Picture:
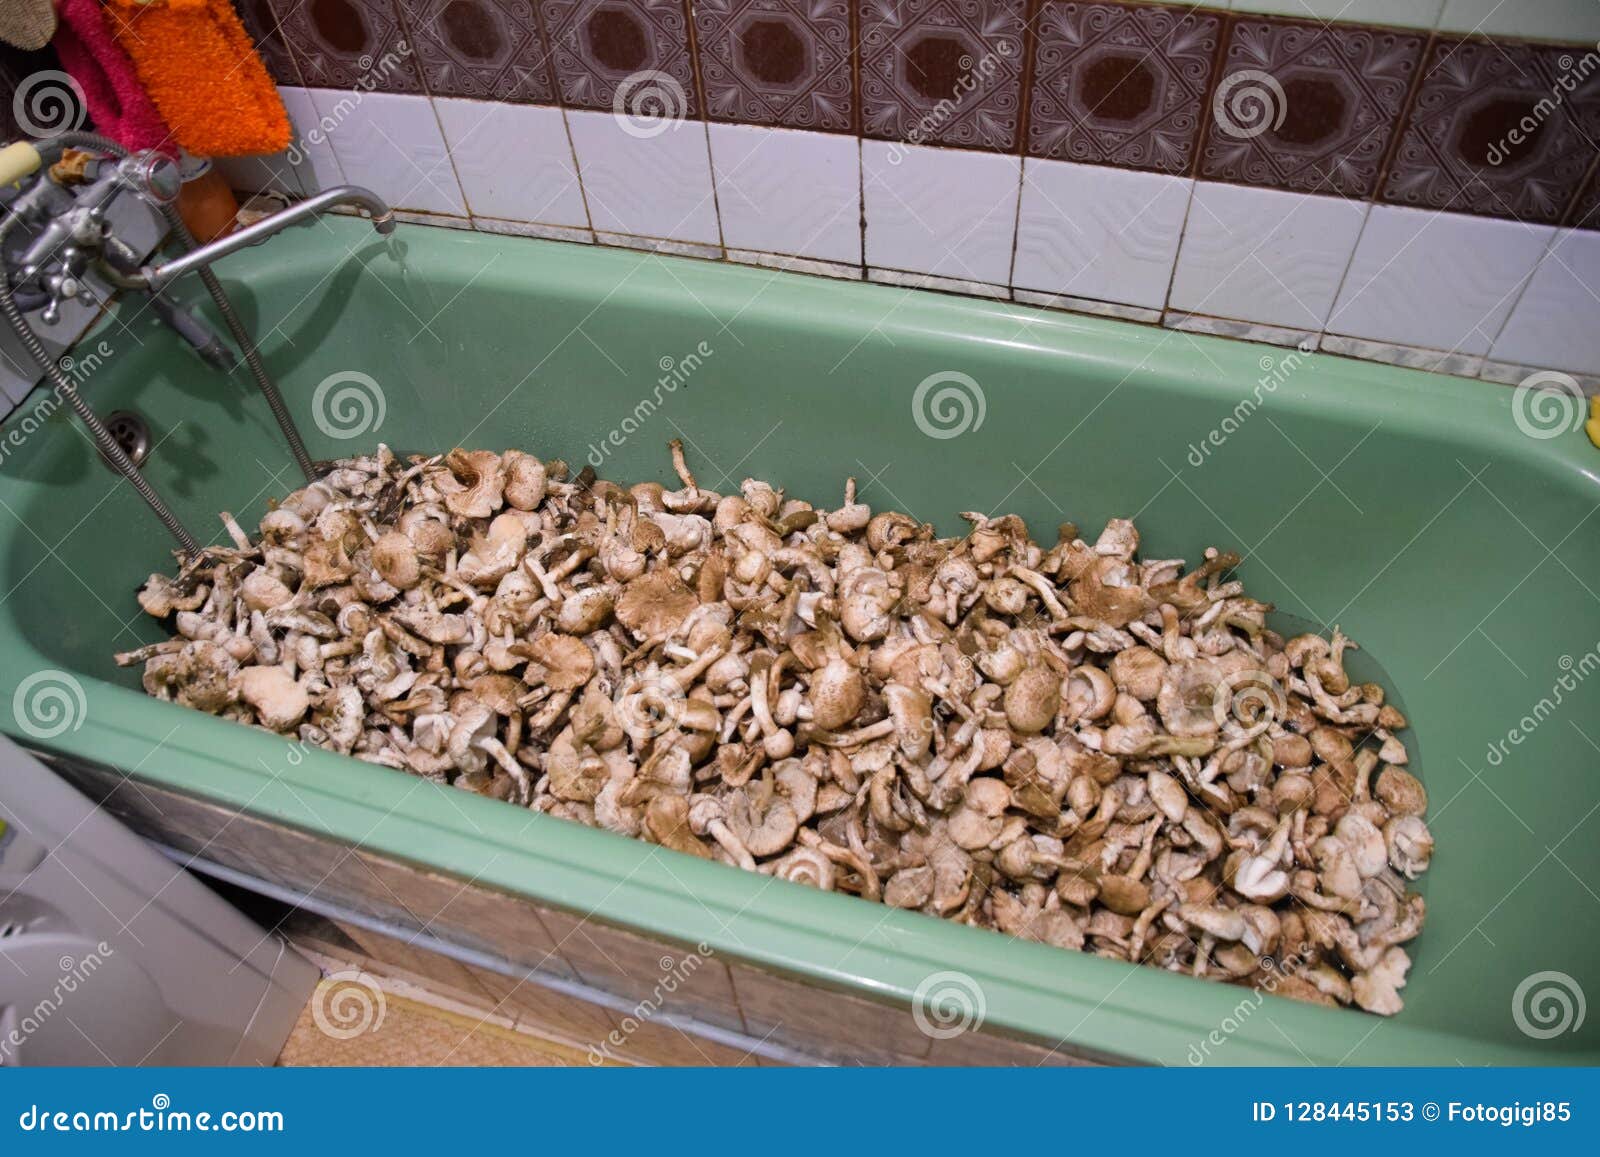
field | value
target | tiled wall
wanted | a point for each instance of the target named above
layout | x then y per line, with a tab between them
1411	180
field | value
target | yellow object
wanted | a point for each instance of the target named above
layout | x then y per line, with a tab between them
18	161
1592	428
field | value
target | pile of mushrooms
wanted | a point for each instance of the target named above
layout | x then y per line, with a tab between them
1070	744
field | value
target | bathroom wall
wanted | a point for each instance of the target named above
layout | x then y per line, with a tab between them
1408	180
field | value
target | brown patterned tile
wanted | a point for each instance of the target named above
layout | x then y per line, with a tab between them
1119	85
349	44
776	62
486	49
942	71
597	45
1457	150
1323	115
261	22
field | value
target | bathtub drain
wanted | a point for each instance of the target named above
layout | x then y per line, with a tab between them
132	434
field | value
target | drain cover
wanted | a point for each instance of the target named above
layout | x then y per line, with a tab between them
131	433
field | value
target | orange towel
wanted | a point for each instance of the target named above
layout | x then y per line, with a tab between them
201	70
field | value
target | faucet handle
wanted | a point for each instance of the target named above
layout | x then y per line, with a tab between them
152	174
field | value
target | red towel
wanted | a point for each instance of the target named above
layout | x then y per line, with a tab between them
118	103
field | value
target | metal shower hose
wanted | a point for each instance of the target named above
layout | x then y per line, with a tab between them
64	387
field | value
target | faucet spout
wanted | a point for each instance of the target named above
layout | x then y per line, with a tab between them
157	277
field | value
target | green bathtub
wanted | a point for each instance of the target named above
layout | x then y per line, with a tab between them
1410	509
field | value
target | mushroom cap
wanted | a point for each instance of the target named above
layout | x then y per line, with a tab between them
278	700
394	557
666	821
1099	593
1187	701
262	590
1033	698
838	692
565	663
473	724
655	604
585	610
798	786
1124	895
909	888
805	866
475	484
498	692
1400	791
1138	671
771	833
526	479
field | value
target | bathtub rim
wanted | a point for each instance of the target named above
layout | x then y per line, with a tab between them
1105	1007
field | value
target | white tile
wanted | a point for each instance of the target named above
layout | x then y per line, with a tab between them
514	161
1262	255
1554	322
390	142
783	191
273	174
948	212
1402	13
1097	232
309	152
646	178
1537	19
1441	280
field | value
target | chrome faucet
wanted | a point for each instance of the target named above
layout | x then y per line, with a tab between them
157	277
61	232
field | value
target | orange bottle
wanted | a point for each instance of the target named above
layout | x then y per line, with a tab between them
205	202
